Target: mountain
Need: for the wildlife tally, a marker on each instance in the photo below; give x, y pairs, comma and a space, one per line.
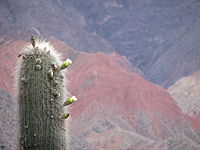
161, 38
20, 18
8, 122
117, 108
185, 92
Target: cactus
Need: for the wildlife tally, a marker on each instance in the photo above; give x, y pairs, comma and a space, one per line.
40, 84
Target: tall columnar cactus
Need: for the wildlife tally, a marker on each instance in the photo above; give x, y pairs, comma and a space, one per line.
41, 97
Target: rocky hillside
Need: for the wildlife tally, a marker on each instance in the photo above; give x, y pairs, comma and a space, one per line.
158, 37
20, 18
8, 122
117, 109
186, 93
161, 38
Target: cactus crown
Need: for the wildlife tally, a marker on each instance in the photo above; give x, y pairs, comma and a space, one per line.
40, 94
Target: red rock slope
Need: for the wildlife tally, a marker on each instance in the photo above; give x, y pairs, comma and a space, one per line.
112, 99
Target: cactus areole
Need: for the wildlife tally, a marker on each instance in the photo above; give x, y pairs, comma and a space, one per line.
40, 95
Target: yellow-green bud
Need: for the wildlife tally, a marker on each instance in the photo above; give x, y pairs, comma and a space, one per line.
70, 100
64, 116
66, 63
33, 40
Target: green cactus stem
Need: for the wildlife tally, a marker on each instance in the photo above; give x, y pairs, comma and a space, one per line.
41, 96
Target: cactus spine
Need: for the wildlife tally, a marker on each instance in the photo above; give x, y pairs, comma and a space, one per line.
40, 95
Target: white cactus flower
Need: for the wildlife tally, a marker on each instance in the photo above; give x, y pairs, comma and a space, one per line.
74, 98
69, 61
66, 63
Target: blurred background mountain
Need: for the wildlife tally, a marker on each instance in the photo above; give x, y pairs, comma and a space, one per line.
125, 54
